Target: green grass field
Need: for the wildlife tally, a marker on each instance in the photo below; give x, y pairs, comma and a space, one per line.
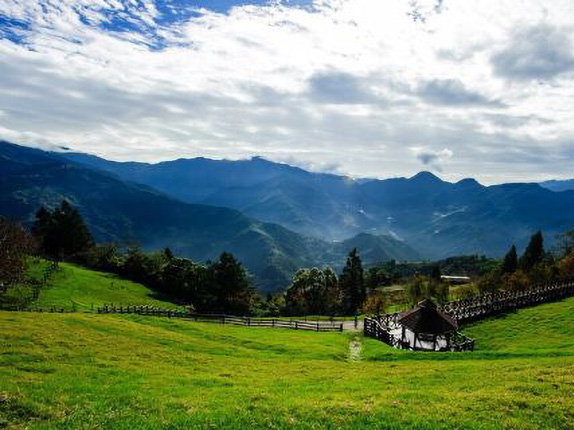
89, 371
76, 287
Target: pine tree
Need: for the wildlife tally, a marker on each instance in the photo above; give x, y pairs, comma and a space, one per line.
435, 273
43, 231
74, 234
352, 283
510, 263
533, 254
231, 285
62, 233
167, 253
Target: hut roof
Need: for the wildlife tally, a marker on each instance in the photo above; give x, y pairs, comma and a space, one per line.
426, 318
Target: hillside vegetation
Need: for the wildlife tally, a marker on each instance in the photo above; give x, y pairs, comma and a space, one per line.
439, 218
73, 286
86, 371
121, 211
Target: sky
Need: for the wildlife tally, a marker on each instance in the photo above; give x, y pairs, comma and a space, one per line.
366, 88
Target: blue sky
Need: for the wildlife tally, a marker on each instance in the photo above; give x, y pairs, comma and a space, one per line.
361, 87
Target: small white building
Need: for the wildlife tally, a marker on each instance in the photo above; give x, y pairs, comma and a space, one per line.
455, 280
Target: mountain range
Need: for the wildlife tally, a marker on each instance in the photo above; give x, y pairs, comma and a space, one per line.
437, 218
116, 208
275, 217
559, 185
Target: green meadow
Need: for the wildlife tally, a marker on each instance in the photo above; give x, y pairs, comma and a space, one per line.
88, 371
75, 287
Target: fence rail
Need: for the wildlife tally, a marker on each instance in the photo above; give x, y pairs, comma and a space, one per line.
320, 326
51, 309
470, 310
491, 304
376, 329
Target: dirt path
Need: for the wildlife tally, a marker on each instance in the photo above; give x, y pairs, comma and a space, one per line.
355, 348
350, 325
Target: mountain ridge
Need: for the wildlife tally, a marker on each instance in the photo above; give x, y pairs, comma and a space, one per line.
123, 211
442, 218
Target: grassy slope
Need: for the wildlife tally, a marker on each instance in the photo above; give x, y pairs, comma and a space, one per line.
83, 371
545, 329
74, 371
75, 285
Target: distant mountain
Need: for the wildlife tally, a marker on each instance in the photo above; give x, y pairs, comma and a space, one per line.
559, 185
313, 204
118, 210
439, 218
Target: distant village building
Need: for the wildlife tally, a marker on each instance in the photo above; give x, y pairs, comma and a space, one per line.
455, 280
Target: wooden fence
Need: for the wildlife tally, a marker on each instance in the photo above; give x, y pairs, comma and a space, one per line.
374, 327
491, 304
470, 310
377, 329
51, 309
321, 326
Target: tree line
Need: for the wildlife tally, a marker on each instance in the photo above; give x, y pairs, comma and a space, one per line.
225, 286
535, 266
220, 286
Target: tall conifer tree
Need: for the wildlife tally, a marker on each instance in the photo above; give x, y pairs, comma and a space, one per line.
510, 263
62, 233
533, 254
352, 283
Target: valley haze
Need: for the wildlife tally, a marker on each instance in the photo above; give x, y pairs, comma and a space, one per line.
278, 218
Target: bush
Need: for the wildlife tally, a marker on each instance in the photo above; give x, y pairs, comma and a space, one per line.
517, 281
376, 303
15, 244
566, 266
313, 292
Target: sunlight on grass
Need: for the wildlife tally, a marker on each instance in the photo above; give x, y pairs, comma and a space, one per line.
74, 286
90, 371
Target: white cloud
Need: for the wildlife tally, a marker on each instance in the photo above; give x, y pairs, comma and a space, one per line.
351, 85
431, 158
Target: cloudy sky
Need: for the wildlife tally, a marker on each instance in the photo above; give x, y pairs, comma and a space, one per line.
370, 88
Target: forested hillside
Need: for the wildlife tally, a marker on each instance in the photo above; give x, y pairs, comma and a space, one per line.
440, 219
125, 212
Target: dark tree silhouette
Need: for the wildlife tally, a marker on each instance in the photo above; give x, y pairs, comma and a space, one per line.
231, 285
435, 273
510, 263
62, 233
313, 292
352, 283
15, 244
167, 253
533, 254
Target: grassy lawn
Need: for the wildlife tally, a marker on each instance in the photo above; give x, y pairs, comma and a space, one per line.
76, 286
84, 371
89, 371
